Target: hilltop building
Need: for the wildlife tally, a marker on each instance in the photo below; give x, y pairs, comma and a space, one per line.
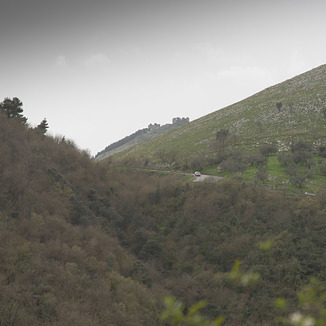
154, 126
180, 120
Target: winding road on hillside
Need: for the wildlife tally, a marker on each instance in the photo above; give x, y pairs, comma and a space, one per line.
200, 178
207, 178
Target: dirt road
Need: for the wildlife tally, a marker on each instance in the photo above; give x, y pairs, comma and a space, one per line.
207, 178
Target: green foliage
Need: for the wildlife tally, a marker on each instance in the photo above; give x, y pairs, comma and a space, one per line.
322, 151
322, 168
266, 245
197, 163
151, 249
301, 146
267, 149
235, 162
62, 246
13, 109
43, 126
324, 112
175, 310
261, 174
175, 314
257, 160
155, 197
301, 151
222, 135
285, 159
242, 278
140, 273
298, 180
279, 106
311, 309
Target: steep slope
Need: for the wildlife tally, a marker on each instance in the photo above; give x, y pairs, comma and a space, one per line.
289, 110
60, 259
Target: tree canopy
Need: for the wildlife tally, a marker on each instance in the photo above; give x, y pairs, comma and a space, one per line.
43, 126
13, 108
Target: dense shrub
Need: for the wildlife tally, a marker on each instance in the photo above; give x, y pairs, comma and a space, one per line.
285, 159
301, 151
322, 168
235, 162
257, 160
197, 163
261, 174
322, 151
267, 149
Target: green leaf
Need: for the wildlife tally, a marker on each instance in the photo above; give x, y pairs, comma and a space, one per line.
266, 245
280, 303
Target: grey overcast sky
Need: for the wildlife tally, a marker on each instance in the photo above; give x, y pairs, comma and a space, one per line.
100, 70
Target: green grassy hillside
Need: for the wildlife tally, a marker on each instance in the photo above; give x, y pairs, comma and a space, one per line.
139, 137
256, 120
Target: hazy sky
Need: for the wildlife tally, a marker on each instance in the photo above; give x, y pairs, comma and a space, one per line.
100, 70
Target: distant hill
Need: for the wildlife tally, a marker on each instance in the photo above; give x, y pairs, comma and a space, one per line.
292, 110
139, 136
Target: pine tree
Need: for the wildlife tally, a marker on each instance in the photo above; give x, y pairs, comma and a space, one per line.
43, 126
13, 108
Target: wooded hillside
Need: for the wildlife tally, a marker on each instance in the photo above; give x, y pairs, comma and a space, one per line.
85, 243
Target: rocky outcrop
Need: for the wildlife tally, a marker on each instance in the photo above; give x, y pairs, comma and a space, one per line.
139, 136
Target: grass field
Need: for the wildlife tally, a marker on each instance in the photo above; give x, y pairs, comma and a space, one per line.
278, 178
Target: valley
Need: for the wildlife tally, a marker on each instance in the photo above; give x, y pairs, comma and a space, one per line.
108, 242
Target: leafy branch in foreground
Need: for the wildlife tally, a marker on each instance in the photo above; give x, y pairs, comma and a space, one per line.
175, 313
311, 310
241, 278
175, 310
